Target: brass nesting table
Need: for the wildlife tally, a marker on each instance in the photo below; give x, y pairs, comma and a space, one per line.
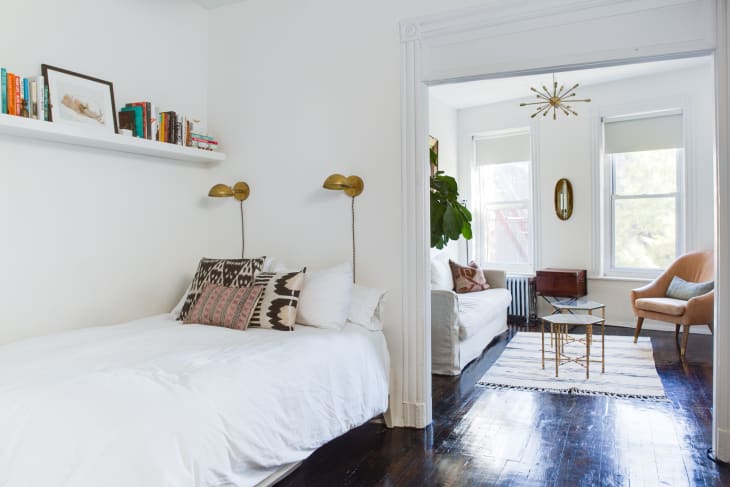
559, 337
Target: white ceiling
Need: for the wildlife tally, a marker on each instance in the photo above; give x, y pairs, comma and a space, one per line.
210, 4
484, 92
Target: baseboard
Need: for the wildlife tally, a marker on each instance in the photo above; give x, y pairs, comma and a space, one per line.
658, 326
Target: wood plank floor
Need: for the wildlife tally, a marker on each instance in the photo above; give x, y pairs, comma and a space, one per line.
483, 436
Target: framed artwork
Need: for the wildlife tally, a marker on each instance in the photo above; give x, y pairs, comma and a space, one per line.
433, 150
77, 99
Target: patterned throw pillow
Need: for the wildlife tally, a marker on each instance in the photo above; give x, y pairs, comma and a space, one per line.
225, 272
230, 307
277, 308
468, 279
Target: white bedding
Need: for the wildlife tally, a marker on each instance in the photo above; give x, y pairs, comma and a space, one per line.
156, 403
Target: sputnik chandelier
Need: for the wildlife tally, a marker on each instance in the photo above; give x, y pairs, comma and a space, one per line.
555, 100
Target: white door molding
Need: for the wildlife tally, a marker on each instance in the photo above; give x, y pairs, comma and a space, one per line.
504, 38
721, 371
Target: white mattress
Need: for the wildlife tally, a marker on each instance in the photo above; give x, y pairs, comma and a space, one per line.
156, 403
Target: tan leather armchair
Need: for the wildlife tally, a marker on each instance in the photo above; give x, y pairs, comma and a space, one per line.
651, 301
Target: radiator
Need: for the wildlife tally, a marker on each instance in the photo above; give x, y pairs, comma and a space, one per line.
524, 297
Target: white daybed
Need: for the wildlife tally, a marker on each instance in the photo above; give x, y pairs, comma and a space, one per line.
155, 403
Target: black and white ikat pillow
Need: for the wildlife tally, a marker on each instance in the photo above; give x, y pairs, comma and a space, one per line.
277, 308
224, 272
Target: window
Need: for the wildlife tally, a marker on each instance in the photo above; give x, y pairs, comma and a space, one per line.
504, 213
645, 160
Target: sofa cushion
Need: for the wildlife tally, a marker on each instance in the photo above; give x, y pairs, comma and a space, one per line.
667, 306
477, 308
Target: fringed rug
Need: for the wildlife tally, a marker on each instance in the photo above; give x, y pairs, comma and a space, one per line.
630, 370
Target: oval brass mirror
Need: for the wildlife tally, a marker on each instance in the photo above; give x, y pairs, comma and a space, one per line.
563, 199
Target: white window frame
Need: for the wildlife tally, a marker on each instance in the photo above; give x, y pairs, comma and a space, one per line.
533, 226
608, 185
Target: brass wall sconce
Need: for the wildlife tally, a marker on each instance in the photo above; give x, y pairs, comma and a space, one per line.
352, 186
240, 191
563, 199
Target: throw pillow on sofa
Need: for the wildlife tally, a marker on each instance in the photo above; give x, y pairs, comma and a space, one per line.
468, 279
441, 279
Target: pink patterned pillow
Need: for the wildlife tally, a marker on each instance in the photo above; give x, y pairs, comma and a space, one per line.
230, 307
468, 279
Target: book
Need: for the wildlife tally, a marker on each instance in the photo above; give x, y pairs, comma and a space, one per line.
154, 122
26, 98
4, 88
18, 93
146, 117
40, 87
33, 99
46, 103
10, 94
161, 128
138, 112
127, 120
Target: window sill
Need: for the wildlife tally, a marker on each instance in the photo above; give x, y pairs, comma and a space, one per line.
620, 279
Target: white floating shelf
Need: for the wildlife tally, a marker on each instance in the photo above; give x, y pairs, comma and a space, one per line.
66, 134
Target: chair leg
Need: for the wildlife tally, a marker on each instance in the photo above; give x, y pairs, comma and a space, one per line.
676, 332
639, 322
712, 328
685, 337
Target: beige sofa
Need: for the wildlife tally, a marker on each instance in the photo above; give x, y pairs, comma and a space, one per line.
462, 325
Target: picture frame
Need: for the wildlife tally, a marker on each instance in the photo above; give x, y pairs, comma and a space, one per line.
80, 100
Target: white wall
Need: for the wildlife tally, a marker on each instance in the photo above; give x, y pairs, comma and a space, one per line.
299, 90
94, 237
567, 147
443, 124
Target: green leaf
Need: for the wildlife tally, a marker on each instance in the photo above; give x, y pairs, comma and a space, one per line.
452, 223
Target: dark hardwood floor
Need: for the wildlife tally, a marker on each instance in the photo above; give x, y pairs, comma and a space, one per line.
483, 436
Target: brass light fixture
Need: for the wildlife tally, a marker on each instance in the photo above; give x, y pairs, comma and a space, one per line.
352, 186
555, 100
240, 191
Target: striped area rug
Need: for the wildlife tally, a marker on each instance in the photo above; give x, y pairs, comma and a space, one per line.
630, 370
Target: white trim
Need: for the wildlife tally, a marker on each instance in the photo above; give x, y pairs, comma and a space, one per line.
469, 44
721, 369
410, 402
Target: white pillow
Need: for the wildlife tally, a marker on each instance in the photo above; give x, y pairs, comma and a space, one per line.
365, 307
179, 306
272, 264
441, 279
325, 297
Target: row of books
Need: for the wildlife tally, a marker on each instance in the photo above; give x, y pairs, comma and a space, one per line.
144, 120
29, 97
24, 97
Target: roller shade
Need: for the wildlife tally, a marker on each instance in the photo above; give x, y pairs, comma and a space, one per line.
641, 134
503, 149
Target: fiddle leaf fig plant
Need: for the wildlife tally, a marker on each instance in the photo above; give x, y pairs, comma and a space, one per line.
449, 218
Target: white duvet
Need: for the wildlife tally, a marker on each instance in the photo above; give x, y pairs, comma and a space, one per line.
156, 403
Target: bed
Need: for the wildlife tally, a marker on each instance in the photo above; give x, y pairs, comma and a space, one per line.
157, 403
